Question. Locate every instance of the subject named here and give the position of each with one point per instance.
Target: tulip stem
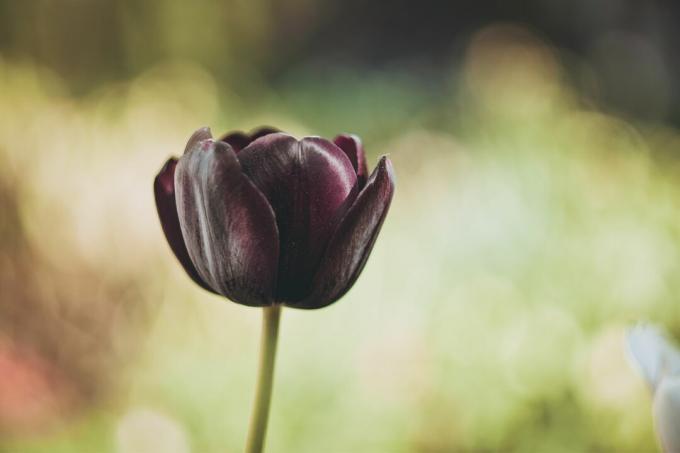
(263, 393)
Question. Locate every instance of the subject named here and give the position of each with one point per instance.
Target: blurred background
(537, 215)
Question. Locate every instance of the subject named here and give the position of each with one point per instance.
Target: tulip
(658, 361)
(267, 220)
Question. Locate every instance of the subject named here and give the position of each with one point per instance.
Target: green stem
(263, 394)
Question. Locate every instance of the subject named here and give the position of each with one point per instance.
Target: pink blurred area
(34, 394)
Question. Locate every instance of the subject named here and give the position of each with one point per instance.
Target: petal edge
(239, 140)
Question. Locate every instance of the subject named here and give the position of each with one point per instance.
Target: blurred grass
(529, 227)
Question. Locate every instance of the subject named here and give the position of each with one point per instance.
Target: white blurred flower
(148, 431)
(666, 411)
(659, 364)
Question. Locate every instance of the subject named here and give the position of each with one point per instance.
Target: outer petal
(352, 242)
(351, 145)
(309, 184)
(227, 224)
(666, 410)
(164, 192)
(239, 140)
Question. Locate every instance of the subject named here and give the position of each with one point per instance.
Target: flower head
(266, 218)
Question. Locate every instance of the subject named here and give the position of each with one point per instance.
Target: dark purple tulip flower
(266, 219)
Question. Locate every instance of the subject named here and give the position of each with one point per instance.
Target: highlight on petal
(164, 193)
(666, 412)
(652, 354)
(227, 224)
(200, 135)
(353, 240)
(309, 183)
(354, 149)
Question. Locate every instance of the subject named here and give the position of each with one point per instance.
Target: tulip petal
(354, 149)
(666, 411)
(227, 224)
(352, 242)
(309, 183)
(652, 354)
(239, 140)
(164, 192)
(262, 131)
